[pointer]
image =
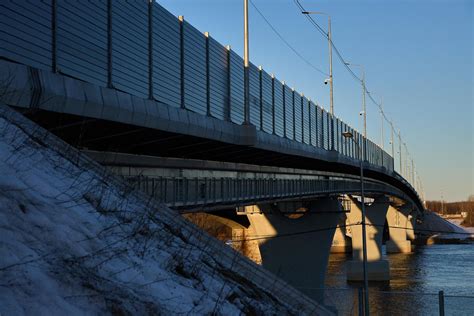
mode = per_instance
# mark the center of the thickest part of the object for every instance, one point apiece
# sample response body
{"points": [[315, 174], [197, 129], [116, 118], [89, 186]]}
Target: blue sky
{"points": [[418, 57]]}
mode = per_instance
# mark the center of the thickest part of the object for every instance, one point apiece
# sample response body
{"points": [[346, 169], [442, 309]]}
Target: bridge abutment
{"points": [[398, 220], [296, 249], [378, 269], [229, 231]]}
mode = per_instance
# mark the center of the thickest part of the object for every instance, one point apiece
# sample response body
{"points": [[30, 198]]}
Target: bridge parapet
{"points": [[141, 49], [199, 194]]}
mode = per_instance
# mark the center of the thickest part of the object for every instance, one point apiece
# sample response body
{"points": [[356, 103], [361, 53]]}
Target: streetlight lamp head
{"points": [[347, 134], [314, 12]]}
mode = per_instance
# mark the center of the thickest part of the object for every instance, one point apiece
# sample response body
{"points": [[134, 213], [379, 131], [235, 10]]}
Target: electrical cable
{"points": [[339, 55], [286, 42], [262, 237]]}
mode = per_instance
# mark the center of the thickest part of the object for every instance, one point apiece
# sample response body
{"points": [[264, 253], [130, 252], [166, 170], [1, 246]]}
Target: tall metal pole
{"points": [[364, 238], [381, 116], [400, 150], [329, 35], [363, 103], [407, 164], [364, 108], [356, 140], [246, 64], [331, 99], [442, 203], [392, 140]]}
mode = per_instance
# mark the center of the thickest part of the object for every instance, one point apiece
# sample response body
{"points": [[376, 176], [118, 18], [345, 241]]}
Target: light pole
{"points": [[348, 134], [329, 36], [364, 109], [331, 84], [392, 141], [442, 203], [400, 151], [407, 164], [246, 64], [381, 117]]}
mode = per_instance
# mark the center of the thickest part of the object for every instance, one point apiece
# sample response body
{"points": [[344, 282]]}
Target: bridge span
{"points": [[159, 102]]}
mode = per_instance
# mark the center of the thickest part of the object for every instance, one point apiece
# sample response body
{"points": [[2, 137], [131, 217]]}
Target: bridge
{"points": [[162, 104]]}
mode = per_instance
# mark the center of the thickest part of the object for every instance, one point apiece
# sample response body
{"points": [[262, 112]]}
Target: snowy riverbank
{"points": [[76, 240]]}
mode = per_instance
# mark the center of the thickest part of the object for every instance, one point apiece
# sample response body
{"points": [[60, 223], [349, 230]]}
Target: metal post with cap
{"points": [[349, 135], [364, 107], [331, 81], [246, 65]]}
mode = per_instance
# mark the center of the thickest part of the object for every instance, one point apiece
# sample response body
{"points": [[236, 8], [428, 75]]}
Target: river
{"points": [[423, 273]]}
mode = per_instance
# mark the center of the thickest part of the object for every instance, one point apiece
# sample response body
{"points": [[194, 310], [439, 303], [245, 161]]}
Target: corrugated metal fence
{"points": [[139, 47]]}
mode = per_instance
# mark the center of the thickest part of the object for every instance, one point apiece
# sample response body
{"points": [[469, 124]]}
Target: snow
{"points": [[76, 240], [436, 226]]}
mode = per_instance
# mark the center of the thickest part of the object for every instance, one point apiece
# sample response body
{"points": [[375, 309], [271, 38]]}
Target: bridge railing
{"points": [[349, 301], [187, 193], [140, 48]]}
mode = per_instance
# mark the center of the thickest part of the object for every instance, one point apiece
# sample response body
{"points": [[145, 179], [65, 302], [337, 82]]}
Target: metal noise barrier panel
{"points": [[140, 48]]}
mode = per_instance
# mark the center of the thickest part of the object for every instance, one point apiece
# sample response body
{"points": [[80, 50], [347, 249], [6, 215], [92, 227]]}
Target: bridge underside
{"points": [[105, 136], [109, 136]]}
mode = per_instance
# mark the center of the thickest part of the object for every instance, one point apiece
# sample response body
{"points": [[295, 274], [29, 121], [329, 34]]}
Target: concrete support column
{"points": [[341, 243], [377, 268], [246, 246], [398, 222], [297, 249], [411, 227]]}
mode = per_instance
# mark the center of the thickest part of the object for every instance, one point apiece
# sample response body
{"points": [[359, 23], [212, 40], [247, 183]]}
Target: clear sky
{"points": [[418, 57]]}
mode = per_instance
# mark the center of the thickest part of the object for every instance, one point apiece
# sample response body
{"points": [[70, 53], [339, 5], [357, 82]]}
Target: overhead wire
{"points": [[340, 57], [304, 232], [286, 42], [338, 54], [325, 34]]}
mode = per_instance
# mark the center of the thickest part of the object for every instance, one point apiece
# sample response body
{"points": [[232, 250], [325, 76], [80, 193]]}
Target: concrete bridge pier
{"points": [[341, 242], [399, 224], [378, 269], [295, 246], [411, 222]]}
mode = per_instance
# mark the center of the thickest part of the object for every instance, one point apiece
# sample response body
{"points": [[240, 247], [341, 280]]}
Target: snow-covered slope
{"points": [[75, 239], [440, 228]]}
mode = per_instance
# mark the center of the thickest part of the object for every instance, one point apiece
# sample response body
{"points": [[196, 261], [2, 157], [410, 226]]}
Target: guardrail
{"points": [[349, 301], [179, 192], [140, 48]]}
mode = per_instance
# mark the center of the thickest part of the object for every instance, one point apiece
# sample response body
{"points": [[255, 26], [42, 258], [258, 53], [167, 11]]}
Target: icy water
{"points": [[423, 273]]}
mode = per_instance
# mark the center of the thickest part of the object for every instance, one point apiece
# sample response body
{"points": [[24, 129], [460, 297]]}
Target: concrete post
{"points": [[411, 227], [297, 249], [341, 243], [377, 268], [398, 221]]}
